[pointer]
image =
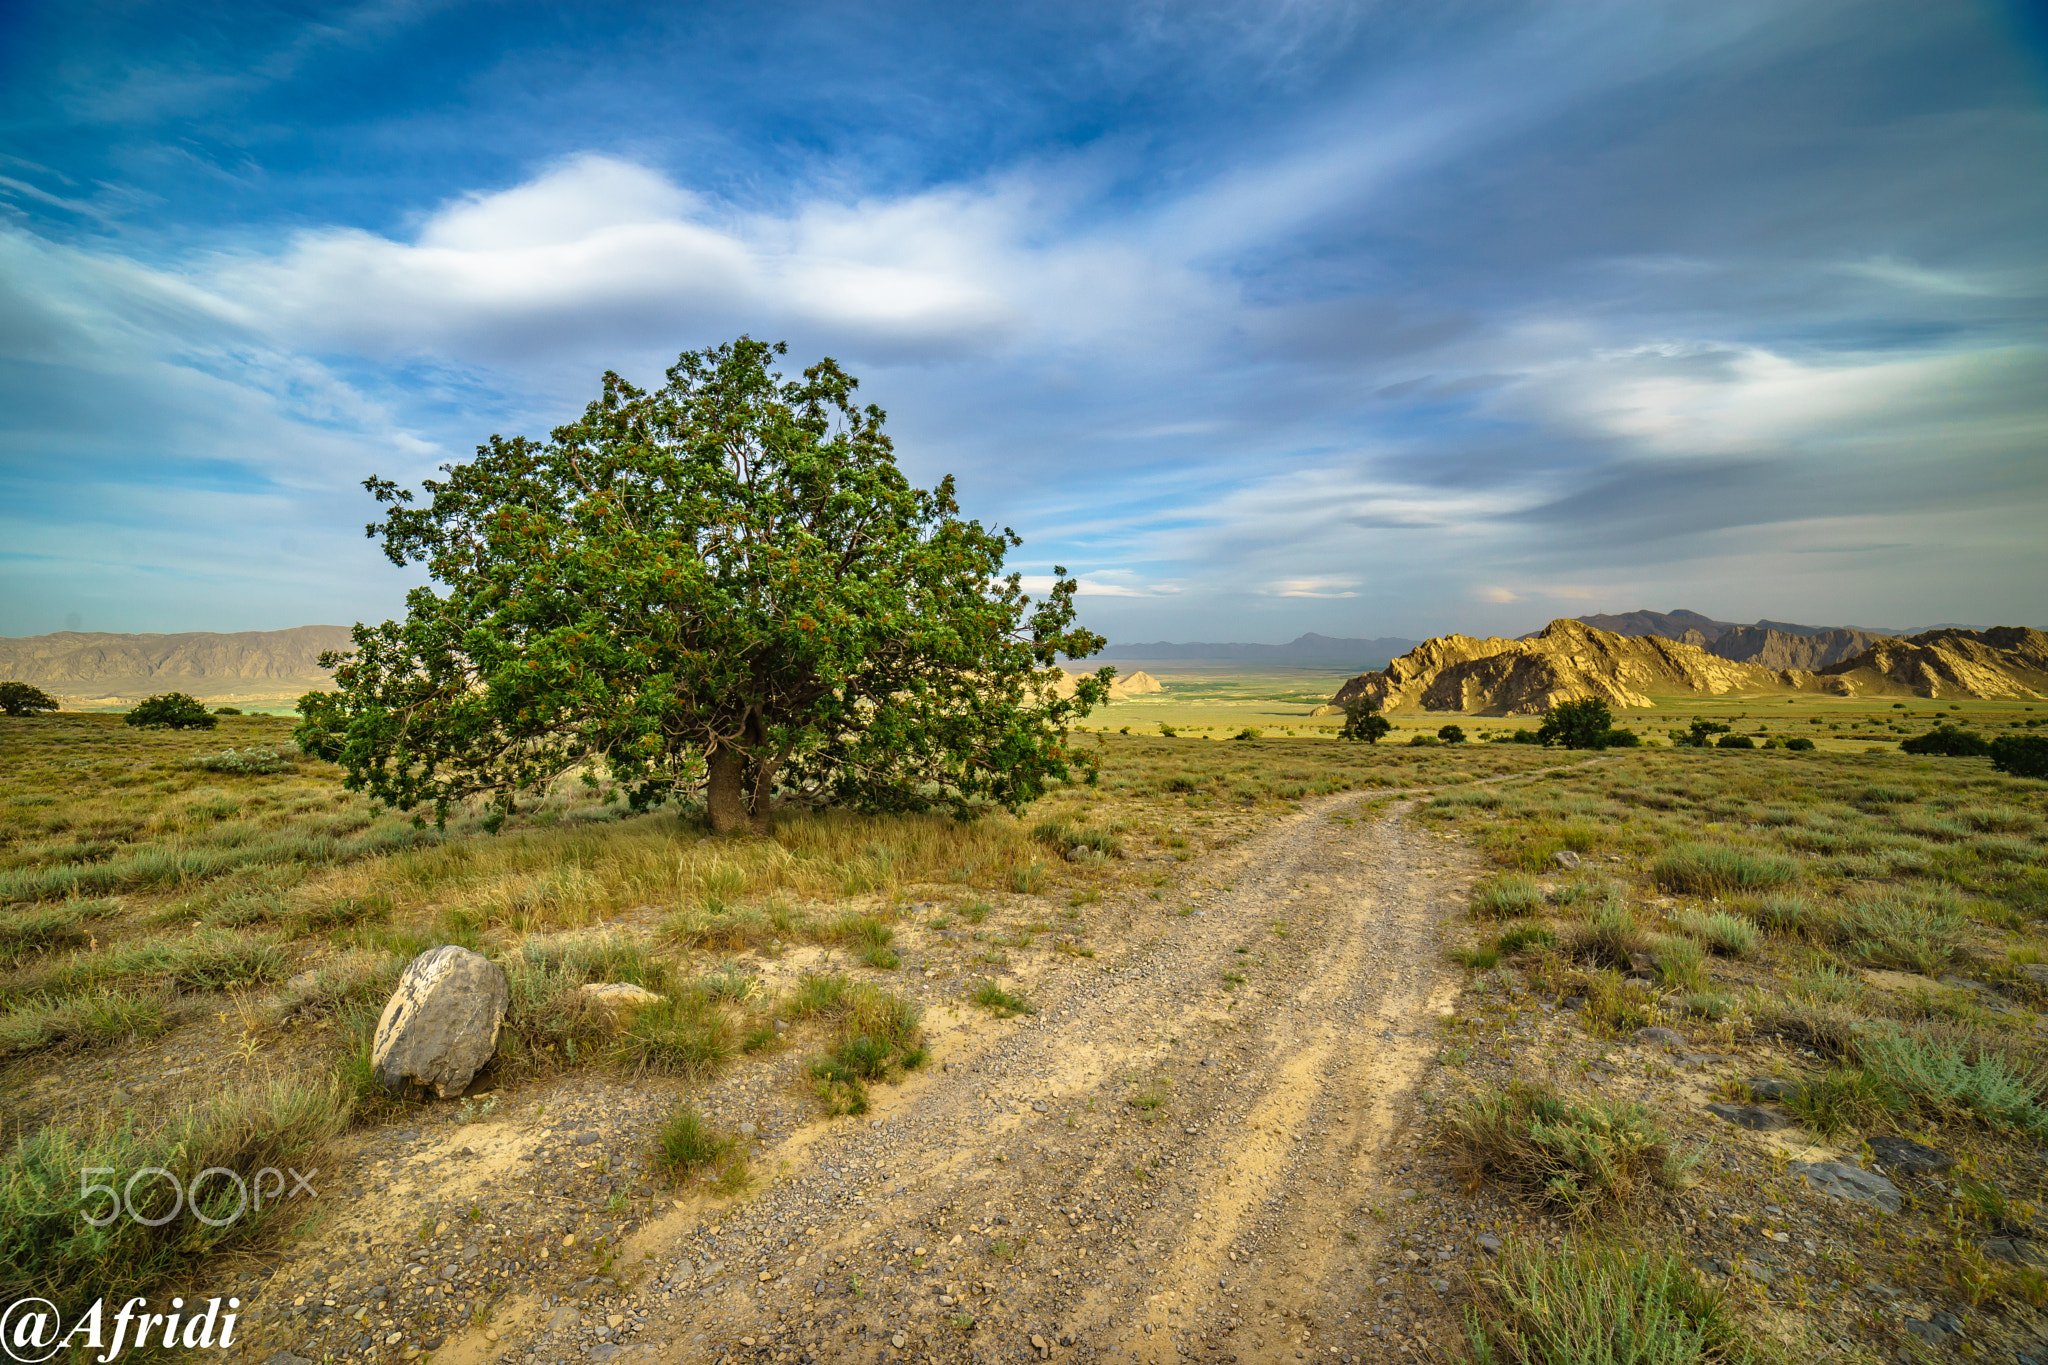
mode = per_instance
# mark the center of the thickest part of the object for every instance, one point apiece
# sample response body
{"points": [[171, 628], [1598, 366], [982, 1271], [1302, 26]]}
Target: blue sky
{"points": [[1373, 319]]}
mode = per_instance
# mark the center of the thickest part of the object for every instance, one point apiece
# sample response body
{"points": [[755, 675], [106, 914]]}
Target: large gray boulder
{"points": [[441, 1024]]}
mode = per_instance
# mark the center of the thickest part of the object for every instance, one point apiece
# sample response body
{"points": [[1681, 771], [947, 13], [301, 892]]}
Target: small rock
{"points": [[621, 997], [1038, 1106], [1749, 1116], [1758, 1271], [899, 1339], [1851, 1182], [1038, 1343], [2013, 1250], [1771, 1088], [748, 1130], [1660, 1037], [2036, 972], [1573, 1002], [1488, 1243], [1903, 1156], [1934, 1331], [1566, 859]]}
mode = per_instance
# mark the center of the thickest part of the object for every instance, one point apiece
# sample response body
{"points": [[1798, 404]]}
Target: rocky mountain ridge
{"points": [[1569, 660]]}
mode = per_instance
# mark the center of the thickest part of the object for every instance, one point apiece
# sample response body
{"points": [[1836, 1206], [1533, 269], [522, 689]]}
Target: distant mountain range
{"points": [[202, 663], [1308, 651]]}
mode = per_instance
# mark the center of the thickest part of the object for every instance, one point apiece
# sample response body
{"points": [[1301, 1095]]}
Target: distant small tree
{"points": [[1621, 739], [1450, 734], [1167, 731], [172, 711], [1363, 721], [1735, 742], [1581, 724], [1800, 742], [21, 699], [1700, 735], [2021, 755]]}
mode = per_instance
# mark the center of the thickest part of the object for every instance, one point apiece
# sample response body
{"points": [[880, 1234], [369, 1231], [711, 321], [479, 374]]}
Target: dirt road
{"points": [[1163, 1161], [1179, 1154]]}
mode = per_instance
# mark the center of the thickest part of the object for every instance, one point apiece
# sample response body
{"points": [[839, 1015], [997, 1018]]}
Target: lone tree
{"points": [[1362, 720], [1581, 724], [171, 711], [726, 584], [24, 699]]}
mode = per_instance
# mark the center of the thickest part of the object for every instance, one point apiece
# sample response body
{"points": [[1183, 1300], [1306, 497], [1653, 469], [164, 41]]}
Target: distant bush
{"points": [[1451, 734], [1247, 733], [1735, 742], [1523, 737], [21, 699], [1800, 742], [1620, 739], [1699, 734], [171, 711], [250, 761], [2021, 755], [1167, 730], [1581, 724], [1422, 741], [1948, 741], [227, 710]]}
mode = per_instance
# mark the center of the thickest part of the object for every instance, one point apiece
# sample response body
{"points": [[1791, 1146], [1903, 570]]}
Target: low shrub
{"points": [[685, 1144], [1004, 1004], [1571, 1154], [1608, 937], [1451, 734], [1947, 1072], [1422, 741], [1600, 1304], [48, 1245], [1729, 935], [1508, 897], [1799, 743], [1735, 742], [1841, 1099], [1719, 870], [252, 761], [1913, 933]]}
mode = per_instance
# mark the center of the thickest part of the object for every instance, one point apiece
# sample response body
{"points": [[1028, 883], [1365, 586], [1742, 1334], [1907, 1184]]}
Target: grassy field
{"points": [[216, 903], [1218, 701]]}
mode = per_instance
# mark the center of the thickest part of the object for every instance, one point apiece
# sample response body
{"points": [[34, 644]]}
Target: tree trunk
{"points": [[739, 796], [726, 793]]}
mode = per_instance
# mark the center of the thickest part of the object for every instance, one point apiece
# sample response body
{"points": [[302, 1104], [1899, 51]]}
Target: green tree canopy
{"points": [[24, 699], [1581, 724], [173, 711], [726, 584], [1362, 720]]}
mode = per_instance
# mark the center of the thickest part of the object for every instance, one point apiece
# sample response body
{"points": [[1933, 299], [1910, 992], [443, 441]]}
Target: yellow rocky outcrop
{"points": [[2005, 661], [1568, 660]]}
